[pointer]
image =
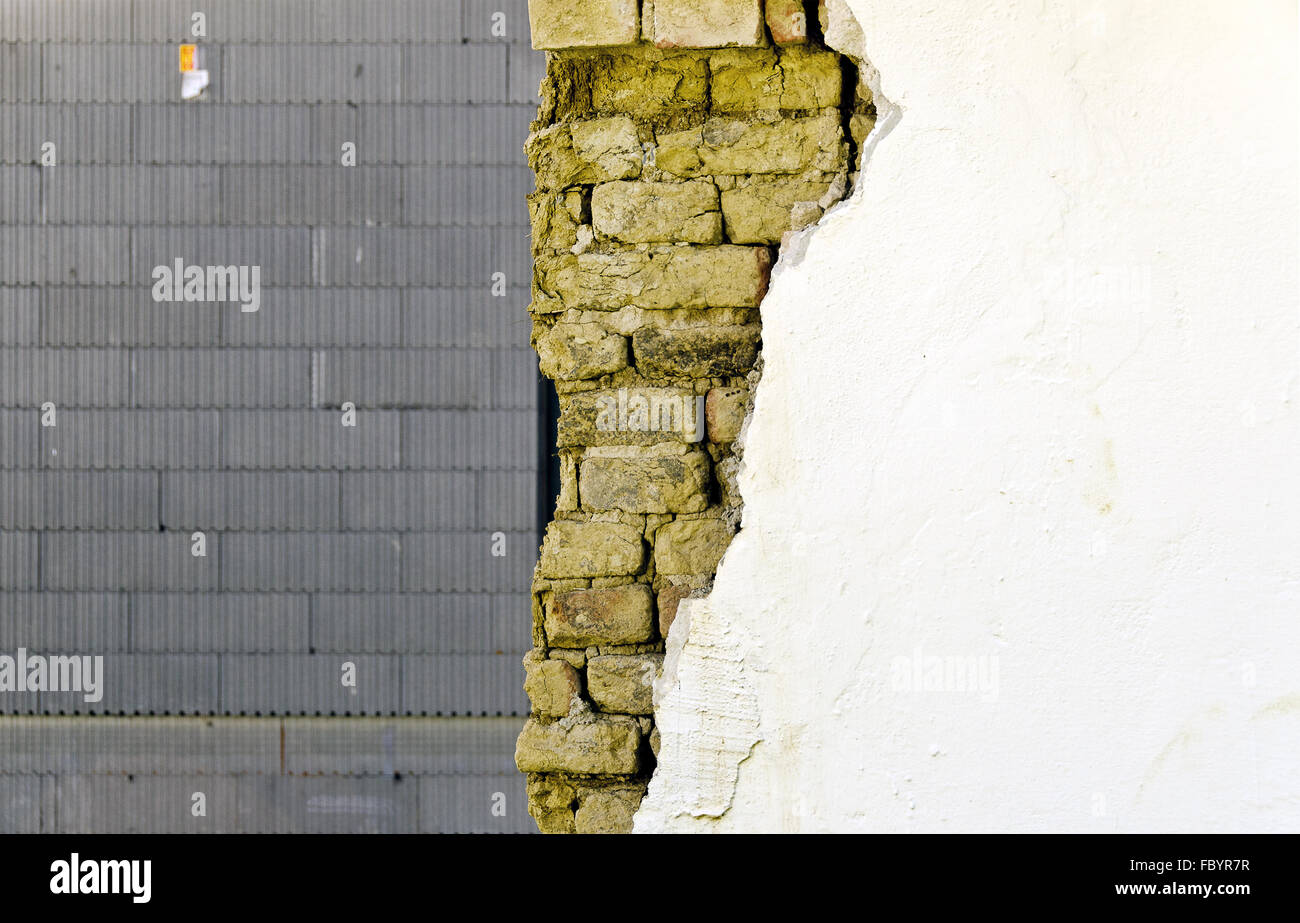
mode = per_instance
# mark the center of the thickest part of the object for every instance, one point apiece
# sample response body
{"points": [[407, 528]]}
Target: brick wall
{"points": [[677, 142]]}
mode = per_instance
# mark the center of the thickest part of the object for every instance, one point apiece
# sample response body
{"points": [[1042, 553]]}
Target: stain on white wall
{"points": [[1021, 539]]}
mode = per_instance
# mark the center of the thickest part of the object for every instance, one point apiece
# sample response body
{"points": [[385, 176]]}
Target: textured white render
{"points": [[1028, 409]]}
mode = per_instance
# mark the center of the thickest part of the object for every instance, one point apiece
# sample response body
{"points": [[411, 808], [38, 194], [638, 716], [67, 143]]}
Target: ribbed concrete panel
{"points": [[129, 439], [94, 500], [311, 73], [461, 317], [146, 804], [20, 316], [63, 255], [418, 501], [20, 71], [329, 805], [487, 20], [65, 20], [309, 439], [126, 561], [146, 194], [326, 195], [470, 73], [313, 684], [134, 684], [115, 73], [478, 196], [245, 623], [78, 133], [222, 134], [463, 684], [292, 21], [63, 623], [463, 562], [527, 68], [507, 500], [31, 377], [478, 439], [173, 416], [474, 804], [118, 746], [20, 194], [424, 256], [283, 255], [318, 317], [419, 623], [422, 133], [270, 500], [221, 378], [284, 561], [465, 378], [124, 315], [409, 746], [20, 804], [514, 378]]}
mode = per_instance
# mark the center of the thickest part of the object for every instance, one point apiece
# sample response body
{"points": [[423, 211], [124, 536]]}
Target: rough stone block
{"points": [[731, 146], [668, 478], [787, 21], [650, 83], [761, 209], [592, 151], [553, 225], [691, 546], [550, 684], [608, 810], [550, 802], [558, 24], [724, 413], [570, 352], [745, 80], [624, 683], [629, 416], [695, 352], [590, 549], [707, 23], [659, 278], [641, 212], [605, 746], [614, 615]]}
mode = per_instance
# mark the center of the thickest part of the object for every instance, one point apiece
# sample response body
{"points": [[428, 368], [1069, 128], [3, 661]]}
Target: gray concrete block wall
{"points": [[324, 542]]}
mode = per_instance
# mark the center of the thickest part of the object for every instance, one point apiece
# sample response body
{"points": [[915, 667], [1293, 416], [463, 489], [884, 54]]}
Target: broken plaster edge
{"points": [[663, 810]]}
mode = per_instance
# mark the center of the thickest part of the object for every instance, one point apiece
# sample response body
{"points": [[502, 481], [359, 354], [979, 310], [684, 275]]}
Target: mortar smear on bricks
{"points": [[677, 142]]}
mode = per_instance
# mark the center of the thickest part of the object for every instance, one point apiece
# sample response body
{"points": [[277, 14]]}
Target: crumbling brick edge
{"points": [[678, 143]]}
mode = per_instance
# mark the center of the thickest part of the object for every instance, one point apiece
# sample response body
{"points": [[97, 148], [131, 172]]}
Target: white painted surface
{"points": [[1029, 400]]}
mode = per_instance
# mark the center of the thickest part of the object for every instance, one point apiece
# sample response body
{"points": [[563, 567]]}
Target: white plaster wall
{"points": [[1029, 399]]}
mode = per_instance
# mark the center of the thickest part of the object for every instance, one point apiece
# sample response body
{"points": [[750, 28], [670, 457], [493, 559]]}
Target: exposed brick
{"points": [[669, 599], [614, 615], [691, 546], [605, 746], [624, 683], [641, 212], [590, 549], [670, 478], [724, 413], [695, 352], [550, 684], [569, 352], [787, 21], [658, 278], [558, 24], [707, 23]]}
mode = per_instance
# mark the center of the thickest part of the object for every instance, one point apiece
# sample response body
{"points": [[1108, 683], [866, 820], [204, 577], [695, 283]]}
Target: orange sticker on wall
{"points": [[187, 58]]}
